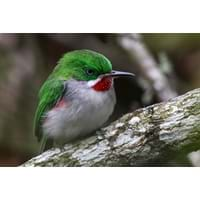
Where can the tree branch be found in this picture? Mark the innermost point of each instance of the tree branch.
(135, 139)
(147, 66)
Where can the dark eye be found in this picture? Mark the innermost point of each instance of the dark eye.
(89, 72)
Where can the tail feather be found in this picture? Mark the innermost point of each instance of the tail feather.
(46, 143)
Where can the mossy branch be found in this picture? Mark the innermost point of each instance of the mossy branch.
(135, 139)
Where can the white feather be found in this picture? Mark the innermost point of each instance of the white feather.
(86, 110)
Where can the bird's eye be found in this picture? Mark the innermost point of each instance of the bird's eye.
(90, 72)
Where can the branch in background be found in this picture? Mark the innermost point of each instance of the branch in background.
(133, 45)
(135, 139)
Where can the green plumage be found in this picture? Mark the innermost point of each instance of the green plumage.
(73, 65)
(49, 94)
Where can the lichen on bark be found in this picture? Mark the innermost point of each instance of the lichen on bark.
(137, 138)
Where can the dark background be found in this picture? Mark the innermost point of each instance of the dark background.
(27, 59)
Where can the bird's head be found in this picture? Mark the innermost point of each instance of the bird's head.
(88, 66)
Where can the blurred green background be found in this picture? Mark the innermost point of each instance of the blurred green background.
(27, 59)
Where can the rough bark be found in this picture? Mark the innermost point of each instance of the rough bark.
(136, 138)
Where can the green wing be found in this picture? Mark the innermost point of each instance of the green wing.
(49, 94)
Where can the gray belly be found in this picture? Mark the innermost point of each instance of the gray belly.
(81, 116)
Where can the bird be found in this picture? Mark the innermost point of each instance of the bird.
(76, 99)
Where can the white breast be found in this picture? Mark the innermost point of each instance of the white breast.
(86, 111)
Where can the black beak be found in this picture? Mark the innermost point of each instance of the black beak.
(116, 74)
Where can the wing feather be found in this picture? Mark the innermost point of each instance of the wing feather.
(49, 94)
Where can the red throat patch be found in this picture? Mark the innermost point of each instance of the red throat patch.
(103, 85)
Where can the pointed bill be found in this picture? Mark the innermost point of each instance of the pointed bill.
(116, 74)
